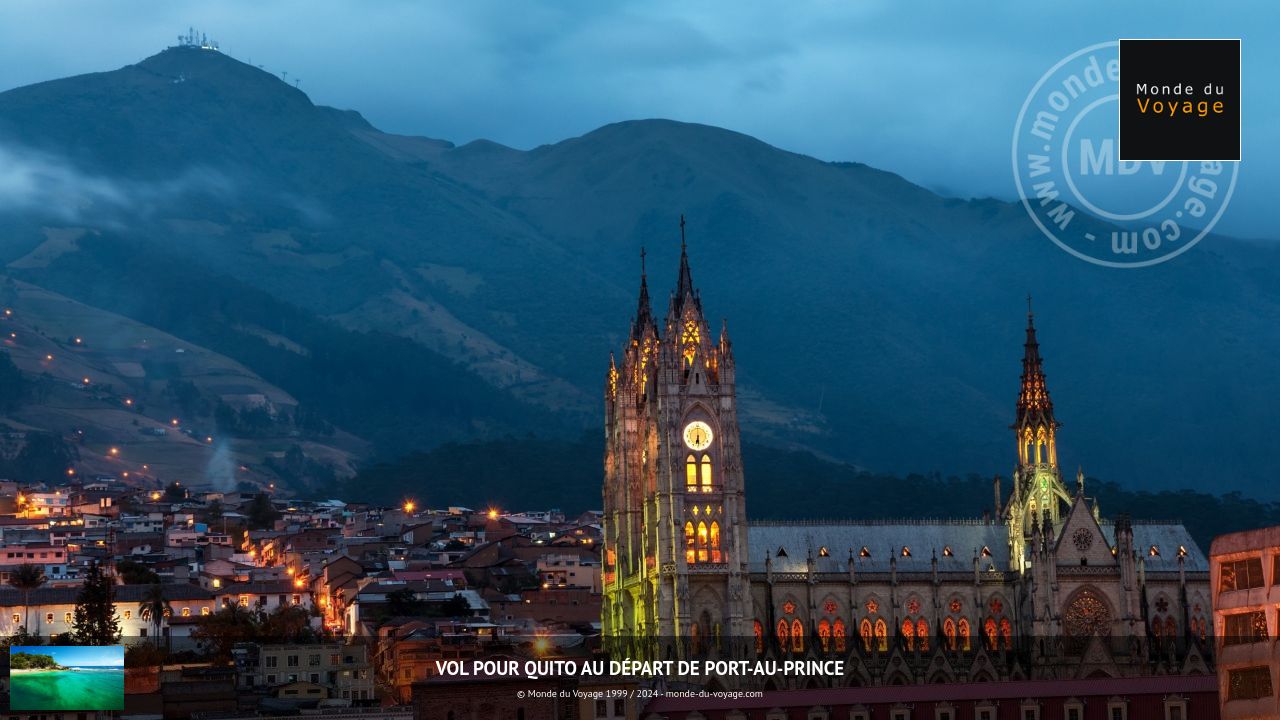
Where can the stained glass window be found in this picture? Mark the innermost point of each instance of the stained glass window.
(689, 538)
(991, 633)
(909, 635)
(830, 607)
(864, 631)
(797, 636)
(949, 631)
(706, 473)
(1006, 632)
(715, 542)
(759, 632)
(922, 635)
(882, 635)
(837, 630)
(1087, 615)
(824, 635)
(784, 633)
(702, 542)
(691, 474)
(965, 644)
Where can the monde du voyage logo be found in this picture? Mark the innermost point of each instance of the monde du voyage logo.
(1125, 153)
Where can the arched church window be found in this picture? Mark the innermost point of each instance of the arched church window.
(991, 633)
(797, 636)
(715, 542)
(695, 641)
(824, 635)
(864, 631)
(882, 635)
(689, 538)
(1006, 633)
(1170, 628)
(922, 635)
(702, 542)
(706, 473)
(691, 473)
(759, 632)
(965, 643)
(949, 631)
(909, 635)
(784, 633)
(837, 631)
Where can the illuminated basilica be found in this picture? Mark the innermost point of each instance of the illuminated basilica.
(1048, 588)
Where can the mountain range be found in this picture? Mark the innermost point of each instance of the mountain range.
(875, 323)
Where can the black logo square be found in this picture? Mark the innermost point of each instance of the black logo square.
(1179, 99)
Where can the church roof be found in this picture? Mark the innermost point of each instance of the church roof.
(1166, 538)
(882, 540)
(798, 540)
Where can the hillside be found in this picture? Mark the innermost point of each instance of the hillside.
(140, 404)
(874, 322)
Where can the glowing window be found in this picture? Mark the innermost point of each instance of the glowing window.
(837, 630)
(824, 635)
(964, 635)
(784, 633)
(128, 614)
(797, 636)
(702, 542)
(864, 552)
(715, 542)
(864, 631)
(691, 473)
(689, 550)
(909, 634)
(949, 630)
(991, 633)
(186, 612)
(1006, 632)
(922, 635)
(706, 473)
(759, 631)
(882, 635)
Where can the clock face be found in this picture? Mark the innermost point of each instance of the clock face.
(697, 435)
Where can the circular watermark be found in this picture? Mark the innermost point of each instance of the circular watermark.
(1082, 196)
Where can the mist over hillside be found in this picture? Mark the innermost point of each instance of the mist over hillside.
(874, 322)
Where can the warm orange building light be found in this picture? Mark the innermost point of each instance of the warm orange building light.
(409, 506)
(299, 583)
(155, 496)
(493, 514)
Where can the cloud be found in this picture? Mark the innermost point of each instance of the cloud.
(34, 182)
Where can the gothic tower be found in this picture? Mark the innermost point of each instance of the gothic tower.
(675, 576)
(1038, 499)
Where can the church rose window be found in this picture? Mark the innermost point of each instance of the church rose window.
(788, 607)
(913, 607)
(1087, 615)
(830, 607)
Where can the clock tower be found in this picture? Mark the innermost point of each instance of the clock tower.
(675, 561)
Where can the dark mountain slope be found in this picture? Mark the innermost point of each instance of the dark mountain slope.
(874, 321)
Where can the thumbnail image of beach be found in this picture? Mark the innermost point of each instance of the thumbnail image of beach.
(66, 678)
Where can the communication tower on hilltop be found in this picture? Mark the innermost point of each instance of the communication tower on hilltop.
(193, 39)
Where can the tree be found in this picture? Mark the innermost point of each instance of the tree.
(214, 511)
(173, 493)
(287, 624)
(27, 577)
(219, 632)
(94, 621)
(262, 514)
(135, 573)
(155, 609)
